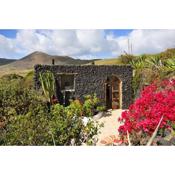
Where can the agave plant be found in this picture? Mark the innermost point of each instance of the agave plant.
(47, 80)
(155, 63)
(170, 64)
(137, 64)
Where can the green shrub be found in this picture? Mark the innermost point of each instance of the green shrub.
(28, 81)
(25, 120)
(72, 127)
(92, 105)
(126, 58)
(15, 99)
(61, 126)
(10, 77)
(29, 129)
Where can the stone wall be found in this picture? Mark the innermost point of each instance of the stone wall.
(90, 79)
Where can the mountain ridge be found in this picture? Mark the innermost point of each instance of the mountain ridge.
(4, 61)
(27, 62)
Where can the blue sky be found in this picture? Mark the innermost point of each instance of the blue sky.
(84, 44)
(119, 32)
(8, 33)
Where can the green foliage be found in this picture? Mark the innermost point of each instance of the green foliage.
(75, 108)
(25, 120)
(92, 105)
(28, 80)
(62, 126)
(126, 58)
(15, 102)
(169, 53)
(101, 108)
(29, 129)
(47, 80)
(68, 128)
(12, 77)
(169, 70)
(147, 68)
(14, 99)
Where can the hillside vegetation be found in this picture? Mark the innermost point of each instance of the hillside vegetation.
(111, 61)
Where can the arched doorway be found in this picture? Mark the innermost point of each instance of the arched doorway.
(113, 92)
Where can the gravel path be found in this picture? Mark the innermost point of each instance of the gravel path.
(111, 125)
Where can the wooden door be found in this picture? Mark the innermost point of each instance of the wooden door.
(116, 94)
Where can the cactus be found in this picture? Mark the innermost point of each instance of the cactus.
(47, 80)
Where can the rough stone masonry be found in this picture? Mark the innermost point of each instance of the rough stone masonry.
(90, 79)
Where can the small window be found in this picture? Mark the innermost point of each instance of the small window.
(67, 82)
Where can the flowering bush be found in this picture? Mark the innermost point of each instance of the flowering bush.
(156, 100)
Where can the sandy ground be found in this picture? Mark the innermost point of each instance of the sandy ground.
(111, 124)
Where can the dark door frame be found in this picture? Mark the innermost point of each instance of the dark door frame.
(109, 92)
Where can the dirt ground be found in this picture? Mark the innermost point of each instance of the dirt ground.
(111, 125)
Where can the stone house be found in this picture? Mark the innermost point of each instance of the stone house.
(111, 83)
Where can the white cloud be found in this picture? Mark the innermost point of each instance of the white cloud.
(76, 43)
(31, 40)
(6, 47)
(148, 41)
(85, 43)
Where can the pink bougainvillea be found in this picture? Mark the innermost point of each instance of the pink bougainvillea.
(156, 100)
